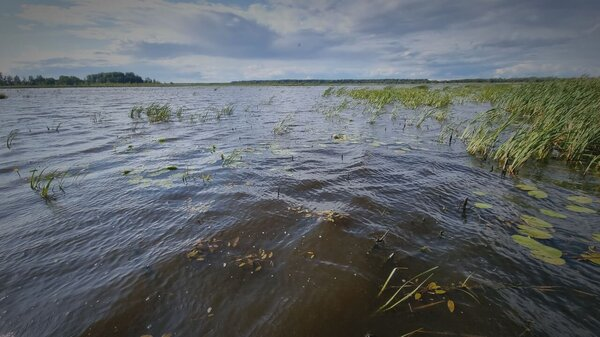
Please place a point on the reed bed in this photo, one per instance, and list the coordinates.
(410, 98)
(555, 118)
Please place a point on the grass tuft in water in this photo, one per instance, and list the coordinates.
(45, 184)
(283, 126)
(155, 112)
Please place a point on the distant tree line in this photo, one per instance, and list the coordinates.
(93, 79)
(390, 81)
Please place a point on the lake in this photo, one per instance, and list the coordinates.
(275, 211)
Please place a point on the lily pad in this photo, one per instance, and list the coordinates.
(538, 248)
(535, 222)
(596, 236)
(482, 205)
(580, 209)
(525, 187)
(580, 199)
(540, 251)
(553, 214)
(480, 193)
(534, 232)
(538, 194)
(549, 259)
(591, 255)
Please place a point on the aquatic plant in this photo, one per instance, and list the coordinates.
(43, 183)
(3, 95)
(155, 112)
(328, 92)
(11, 137)
(224, 111)
(554, 118)
(283, 126)
(410, 98)
(231, 158)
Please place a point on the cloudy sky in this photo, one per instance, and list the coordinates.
(207, 41)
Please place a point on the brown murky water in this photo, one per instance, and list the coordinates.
(277, 237)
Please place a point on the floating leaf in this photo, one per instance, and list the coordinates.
(549, 259)
(580, 209)
(539, 248)
(534, 232)
(417, 296)
(126, 172)
(535, 222)
(482, 205)
(451, 305)
(526, 187)
(538, 194)
(171, 168)
(596, 236)
(580, 199)
(480, 193)
(553, 214)
(540, 251)
(440, 291)
(432, 286)
(591, 255)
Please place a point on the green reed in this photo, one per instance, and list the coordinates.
(554, 118)
(156, 113)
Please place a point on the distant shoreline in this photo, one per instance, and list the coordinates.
(294, 83)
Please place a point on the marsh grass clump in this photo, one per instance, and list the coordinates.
(283, 126)
(555, 118)
(158, 113)
(328, 92)
(3, 95)
(45, 184)
(231, 158)
(155, 112)
(224, 111)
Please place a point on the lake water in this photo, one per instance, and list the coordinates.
(264, 234)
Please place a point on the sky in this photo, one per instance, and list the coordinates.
(220, 41)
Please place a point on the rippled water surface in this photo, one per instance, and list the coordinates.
(264, 234)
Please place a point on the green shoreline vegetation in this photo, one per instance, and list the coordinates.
(557, 118)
